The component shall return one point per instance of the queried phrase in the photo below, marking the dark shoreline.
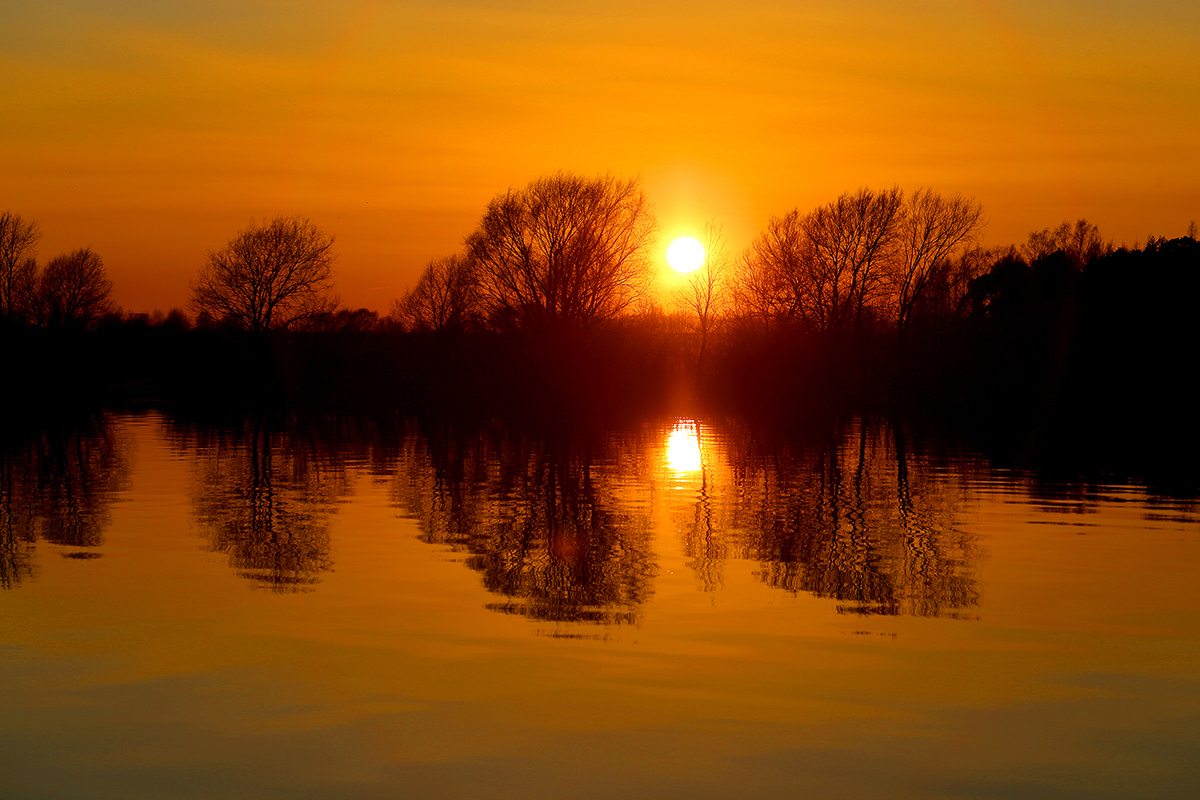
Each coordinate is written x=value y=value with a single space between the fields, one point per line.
x=1072 y=369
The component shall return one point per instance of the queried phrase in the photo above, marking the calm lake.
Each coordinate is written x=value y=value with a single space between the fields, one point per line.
x=340 y=609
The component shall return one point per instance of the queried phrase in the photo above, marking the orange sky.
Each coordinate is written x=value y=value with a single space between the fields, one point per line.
x=154 y=131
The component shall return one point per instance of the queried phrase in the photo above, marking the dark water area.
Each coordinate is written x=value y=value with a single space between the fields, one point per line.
x=327 y=605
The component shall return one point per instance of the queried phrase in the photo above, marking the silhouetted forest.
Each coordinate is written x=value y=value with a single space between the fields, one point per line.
x=878 y=302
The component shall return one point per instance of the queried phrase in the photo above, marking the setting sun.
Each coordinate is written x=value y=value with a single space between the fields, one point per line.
x=685 y=254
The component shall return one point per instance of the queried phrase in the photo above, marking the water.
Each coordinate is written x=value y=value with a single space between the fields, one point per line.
x=342 y=609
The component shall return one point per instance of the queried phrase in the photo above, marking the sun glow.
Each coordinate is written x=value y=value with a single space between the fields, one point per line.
x=685 y=254
x=683 y=448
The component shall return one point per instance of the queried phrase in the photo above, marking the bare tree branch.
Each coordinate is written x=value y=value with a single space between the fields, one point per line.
x=564 y=251
x=18 y=239
x=704 y=293
x=269 y=277
x=932 y=228
x=73 y=290
x=828 y=268
x=444 y=298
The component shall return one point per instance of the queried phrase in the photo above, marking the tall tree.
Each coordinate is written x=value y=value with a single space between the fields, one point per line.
x=827 y=268
x=565 y=251
x=18 y=239
x=852 y=241
x=704 y=294
x=444 y=297
x=930 y=231
x=1080 y=242
x=73 y=290
x=772 y=283
x=269 y=276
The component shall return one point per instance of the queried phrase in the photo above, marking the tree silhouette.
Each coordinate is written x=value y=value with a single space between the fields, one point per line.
x=931 y=229
x=444 y=298
x=565 y=251
x=770 y=285
x=73 y=290
x=269 y=276
x=1081 y=243
x=827 y=268
x=704 y=291
x=851 y=241
x=18 y=239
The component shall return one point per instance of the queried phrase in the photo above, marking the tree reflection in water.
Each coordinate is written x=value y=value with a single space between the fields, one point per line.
x=263 y=493
x=544 y=520
x=57 y=484
x=855 y=517
x=559 y=526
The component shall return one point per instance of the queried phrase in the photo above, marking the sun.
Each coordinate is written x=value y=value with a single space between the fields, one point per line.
x=685 y=254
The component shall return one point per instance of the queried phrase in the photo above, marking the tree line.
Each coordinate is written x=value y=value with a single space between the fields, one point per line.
x=569 y=251
x=573 y=252
x=877 y=294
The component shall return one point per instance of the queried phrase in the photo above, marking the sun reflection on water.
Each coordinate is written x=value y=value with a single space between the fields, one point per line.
x=683 y=447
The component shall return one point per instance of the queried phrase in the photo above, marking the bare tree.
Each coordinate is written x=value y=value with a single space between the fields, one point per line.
x=931 y=229
x=444 y=297
x=24 y=292
x=704 y=293
x=565 y=251
x=1085 y=244
x=73 y=290
x=772 y=283
x=852 y=241
x=1044 y=242
x=1081 y=243
x=827 y=268
x=269 y=276
x=18 y=239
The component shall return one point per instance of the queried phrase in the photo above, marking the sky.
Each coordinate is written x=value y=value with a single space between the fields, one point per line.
x=154 y=131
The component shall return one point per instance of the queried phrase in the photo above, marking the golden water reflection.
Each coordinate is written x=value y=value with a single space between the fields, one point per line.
x=548 y=522
x=566 y=528
x=390 y=674
x=854 y=515
x=861 y=519
x=561 y=527
x=683 y=447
